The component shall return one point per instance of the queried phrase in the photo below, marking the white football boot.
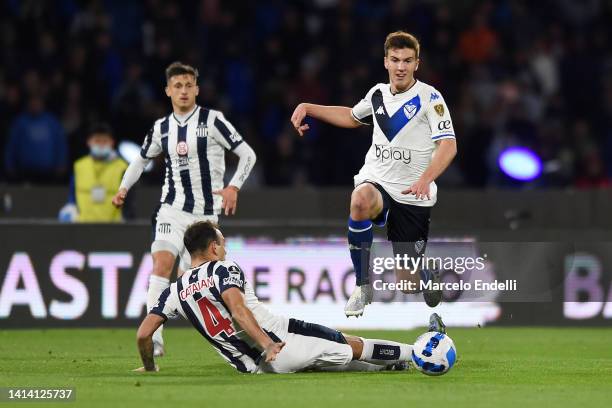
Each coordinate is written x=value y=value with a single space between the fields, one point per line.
x=361 y=296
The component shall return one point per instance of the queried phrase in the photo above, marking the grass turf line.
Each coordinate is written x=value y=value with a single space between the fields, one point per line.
x=500 y=367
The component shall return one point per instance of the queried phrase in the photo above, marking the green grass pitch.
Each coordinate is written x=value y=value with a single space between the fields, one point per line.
x=496 y=367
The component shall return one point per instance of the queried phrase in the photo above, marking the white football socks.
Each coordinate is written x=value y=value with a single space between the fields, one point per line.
x=157 y=285
x=384 y=352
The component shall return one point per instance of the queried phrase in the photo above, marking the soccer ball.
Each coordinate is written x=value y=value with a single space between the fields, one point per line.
x=434 y=353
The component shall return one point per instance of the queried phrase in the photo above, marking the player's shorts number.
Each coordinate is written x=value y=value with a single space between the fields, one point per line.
x=213 y=321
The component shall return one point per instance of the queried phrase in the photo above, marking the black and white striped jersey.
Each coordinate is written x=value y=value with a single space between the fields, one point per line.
x=194 y=153
x=196 y=296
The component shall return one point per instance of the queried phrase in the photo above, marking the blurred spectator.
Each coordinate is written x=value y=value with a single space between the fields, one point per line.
x=96 y=178
x=593 y=174
x=512 y=72
x=132 y=101
x=36 y=149
x=478 y=44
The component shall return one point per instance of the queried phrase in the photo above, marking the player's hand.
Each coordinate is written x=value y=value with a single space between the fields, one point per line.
x=119 y=198
x=420 y=189
x=143 y=370
x=230 y=197
x=298 y=116
x=272 y=351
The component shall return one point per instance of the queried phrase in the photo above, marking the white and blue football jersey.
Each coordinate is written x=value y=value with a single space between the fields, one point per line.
x=194 y=152
x=405 y=128
x=196 y=296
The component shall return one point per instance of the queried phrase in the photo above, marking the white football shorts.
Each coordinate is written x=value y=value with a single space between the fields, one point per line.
x=302 y=353
x=169 y=228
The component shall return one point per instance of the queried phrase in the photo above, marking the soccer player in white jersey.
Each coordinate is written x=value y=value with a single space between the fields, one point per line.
x=413 y=142
x=193 y=140
x=221 y=305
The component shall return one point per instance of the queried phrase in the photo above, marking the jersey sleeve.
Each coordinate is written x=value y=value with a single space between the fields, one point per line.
x=151 y=147
x=225 y=133
x=167 y=305
x=439 y=118
x=229 y=275
x=362 y=112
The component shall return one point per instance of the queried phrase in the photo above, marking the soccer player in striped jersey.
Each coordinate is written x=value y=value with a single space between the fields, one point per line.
x=221 y=305
x=193 y=141
x=413 y=142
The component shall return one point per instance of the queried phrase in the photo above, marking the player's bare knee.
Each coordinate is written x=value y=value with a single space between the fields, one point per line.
x=361 y=204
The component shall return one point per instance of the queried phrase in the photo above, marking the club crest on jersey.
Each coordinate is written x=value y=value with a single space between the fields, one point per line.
x=182 y=149
x=410 y=110
x=202 y=130
x=439 y=108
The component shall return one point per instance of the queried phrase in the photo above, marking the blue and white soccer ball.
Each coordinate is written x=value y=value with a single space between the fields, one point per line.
x=434 y=353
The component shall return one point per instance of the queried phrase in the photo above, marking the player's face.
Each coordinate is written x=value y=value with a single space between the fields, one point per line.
x=182 y=90
x=401 y=64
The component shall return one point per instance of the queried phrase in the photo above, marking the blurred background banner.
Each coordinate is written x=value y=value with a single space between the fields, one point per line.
x=84 y=276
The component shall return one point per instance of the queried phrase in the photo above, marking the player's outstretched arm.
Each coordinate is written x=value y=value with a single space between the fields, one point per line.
x=334 y=115
x=144 y=338
x=446 y=151
x=234 y=299
x=130 y=177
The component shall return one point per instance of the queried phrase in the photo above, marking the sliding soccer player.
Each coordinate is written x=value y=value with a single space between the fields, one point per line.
x=221 y=305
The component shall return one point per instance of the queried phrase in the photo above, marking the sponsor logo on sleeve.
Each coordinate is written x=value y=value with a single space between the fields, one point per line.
x=233 y=280
x=444 y=125
x=234 y=277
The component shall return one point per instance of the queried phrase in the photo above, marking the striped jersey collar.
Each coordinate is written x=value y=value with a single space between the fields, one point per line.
x=182 y=119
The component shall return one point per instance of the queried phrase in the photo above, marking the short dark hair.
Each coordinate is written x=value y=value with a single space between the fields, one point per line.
x=199 y=236
x=402 y=39
x=178 y=68
x=100 y=127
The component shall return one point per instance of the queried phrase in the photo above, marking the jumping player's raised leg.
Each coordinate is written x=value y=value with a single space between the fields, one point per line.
x=408 y=231
x=366 y=205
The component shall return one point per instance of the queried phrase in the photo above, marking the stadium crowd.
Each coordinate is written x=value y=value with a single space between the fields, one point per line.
x=513 y=72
